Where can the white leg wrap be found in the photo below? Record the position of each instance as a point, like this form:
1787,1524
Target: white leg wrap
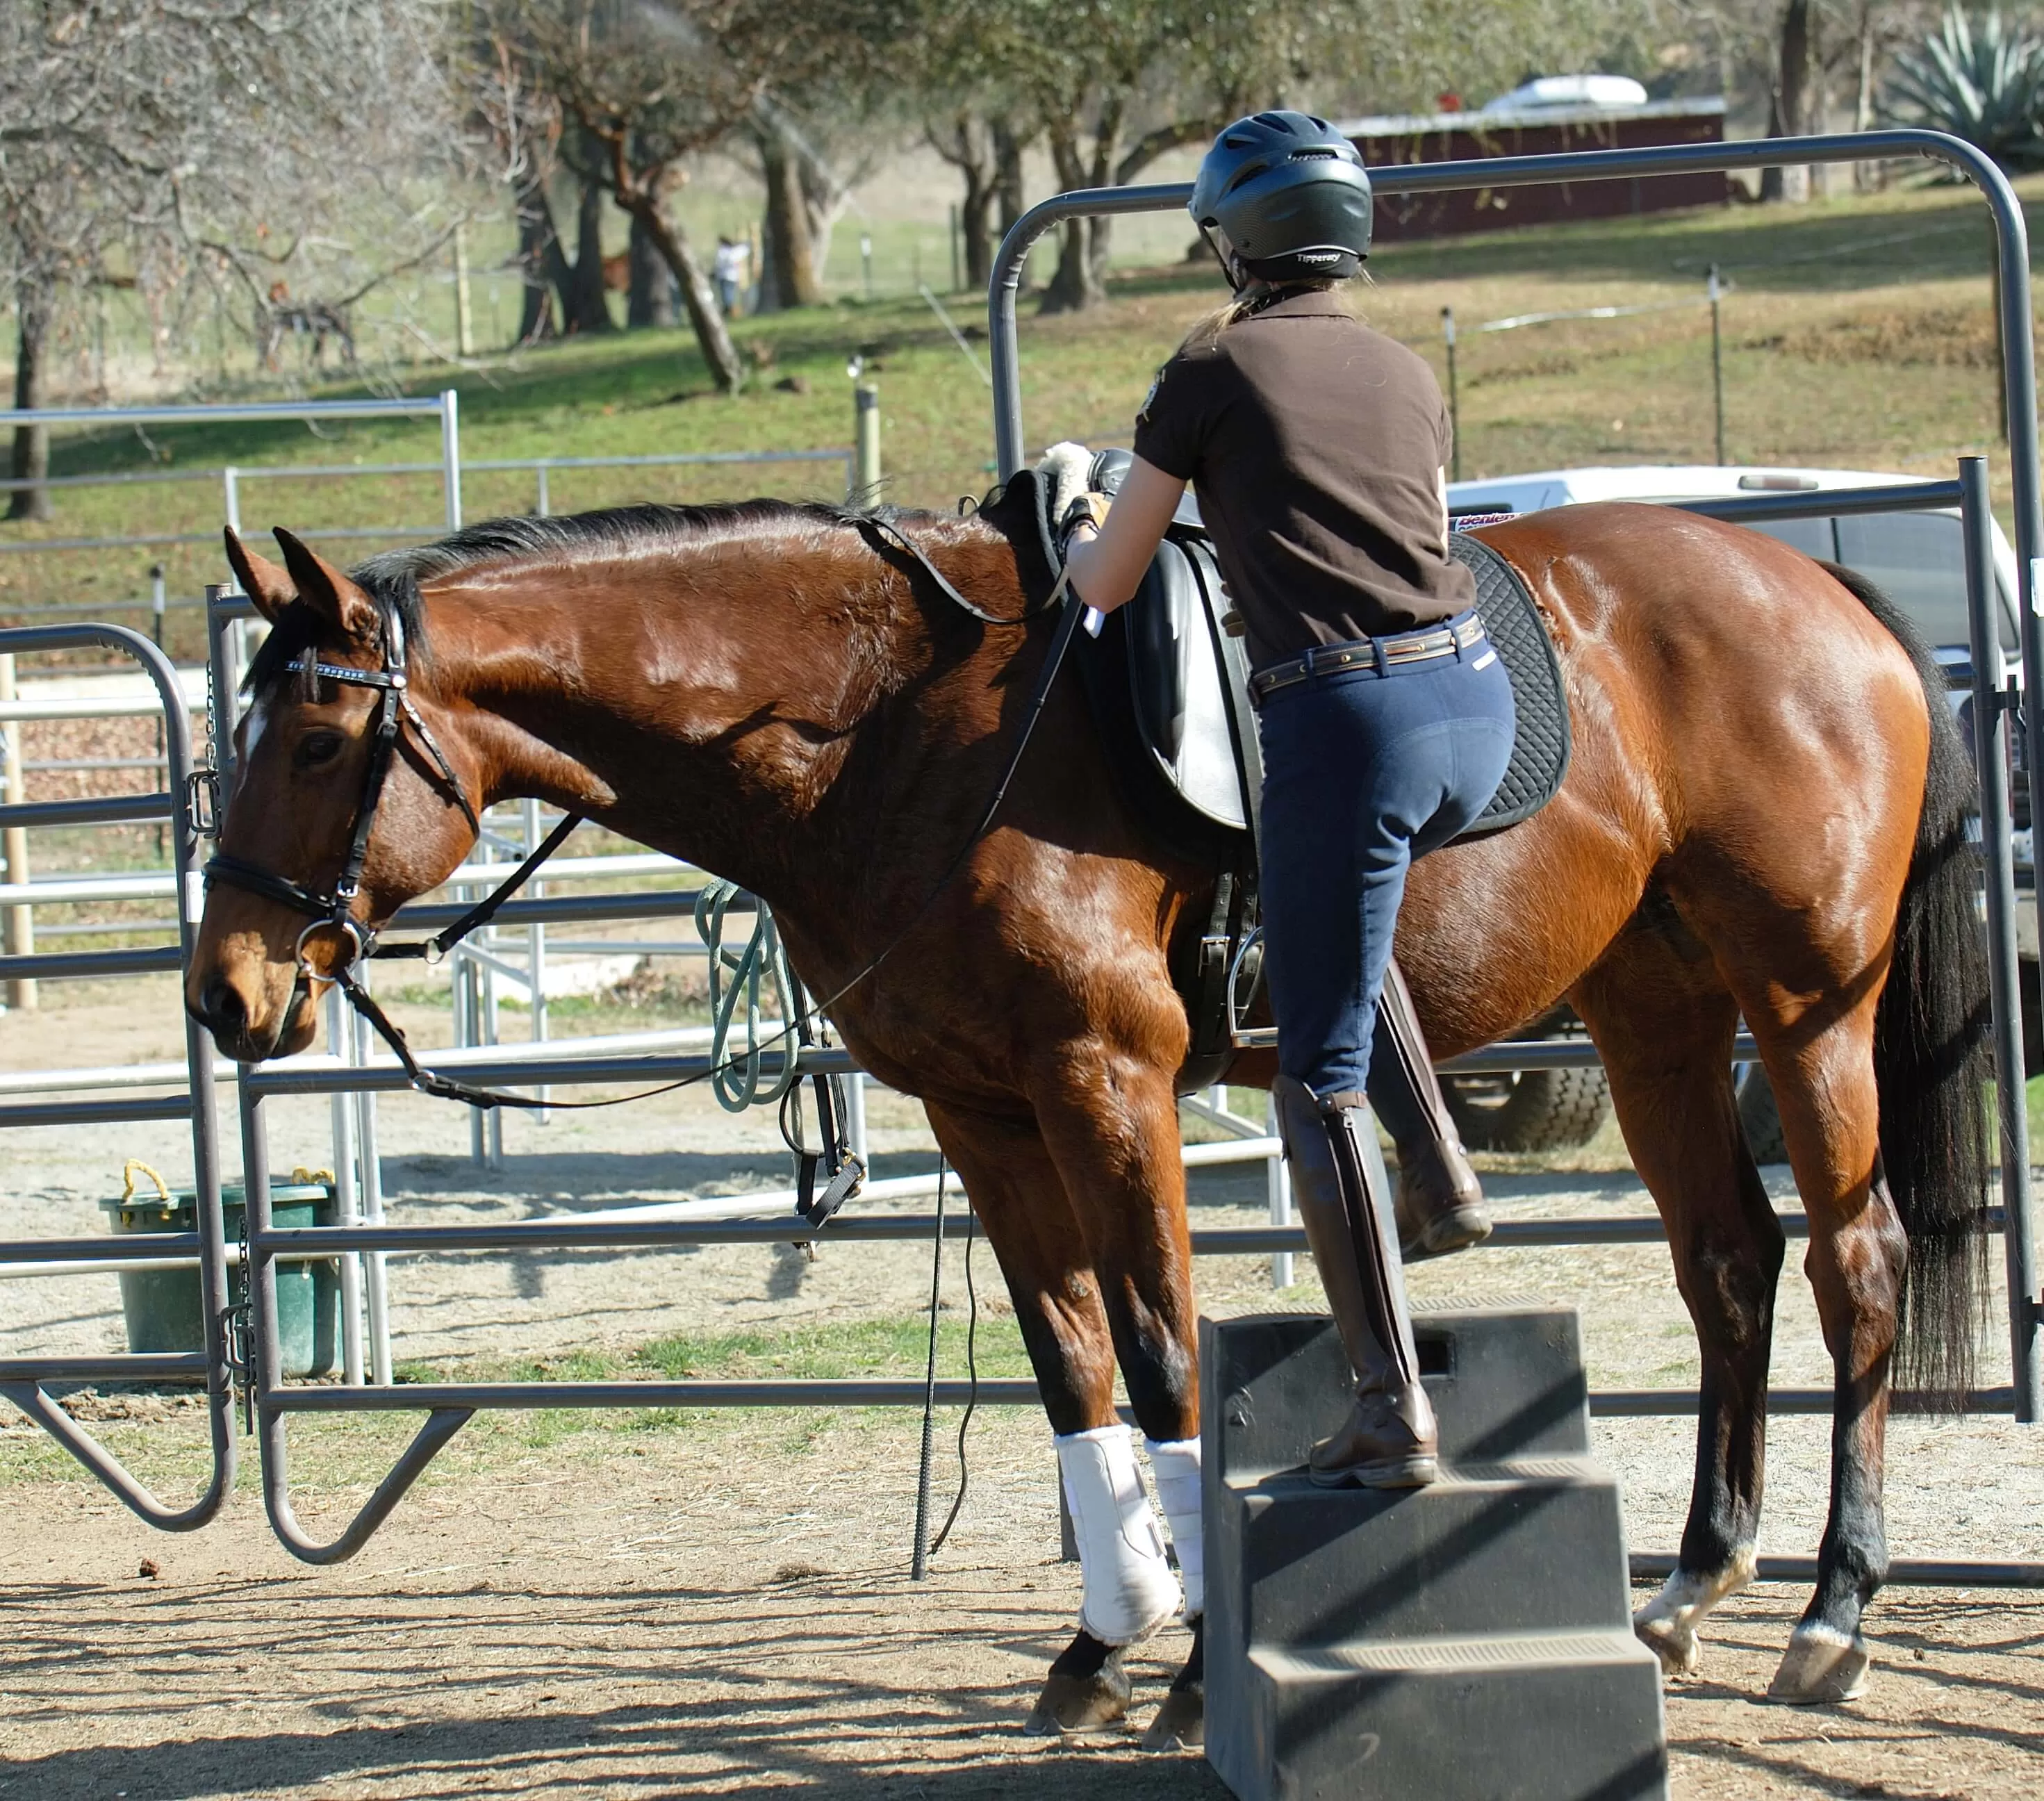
1176,1466
1128,1589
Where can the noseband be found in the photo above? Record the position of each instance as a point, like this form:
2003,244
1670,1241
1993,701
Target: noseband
336,912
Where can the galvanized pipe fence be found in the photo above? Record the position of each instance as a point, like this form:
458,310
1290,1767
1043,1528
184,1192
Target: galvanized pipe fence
231,478
449,1405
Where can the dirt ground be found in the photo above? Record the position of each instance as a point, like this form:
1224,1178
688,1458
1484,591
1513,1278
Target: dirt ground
679,1623
628,1605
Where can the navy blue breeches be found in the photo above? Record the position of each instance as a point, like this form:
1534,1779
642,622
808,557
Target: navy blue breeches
1364,769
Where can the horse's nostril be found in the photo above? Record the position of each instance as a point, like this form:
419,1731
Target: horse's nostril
221,1002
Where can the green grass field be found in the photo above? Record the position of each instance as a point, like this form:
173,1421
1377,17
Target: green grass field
1857,333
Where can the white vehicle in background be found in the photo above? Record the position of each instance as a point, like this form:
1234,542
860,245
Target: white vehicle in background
1918,560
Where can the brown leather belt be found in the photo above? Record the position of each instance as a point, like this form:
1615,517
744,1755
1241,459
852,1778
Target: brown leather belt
1382,654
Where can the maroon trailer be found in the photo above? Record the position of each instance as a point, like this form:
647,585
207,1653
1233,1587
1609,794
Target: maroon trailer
1538,131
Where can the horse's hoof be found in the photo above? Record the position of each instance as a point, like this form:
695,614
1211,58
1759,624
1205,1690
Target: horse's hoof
1673,1641
1822,1665
1079,1703
1667,1625
1180,1724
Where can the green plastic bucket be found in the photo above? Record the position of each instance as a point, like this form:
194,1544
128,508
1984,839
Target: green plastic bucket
162,1308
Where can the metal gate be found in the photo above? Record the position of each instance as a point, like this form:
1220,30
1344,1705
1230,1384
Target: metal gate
1993,699
21,1378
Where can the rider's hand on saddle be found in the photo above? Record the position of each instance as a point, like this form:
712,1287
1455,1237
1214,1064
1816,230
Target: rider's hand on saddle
1086,512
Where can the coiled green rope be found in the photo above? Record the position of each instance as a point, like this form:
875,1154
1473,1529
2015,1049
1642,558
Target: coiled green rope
738,975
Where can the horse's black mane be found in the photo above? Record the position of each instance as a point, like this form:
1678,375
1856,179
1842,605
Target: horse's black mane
392,579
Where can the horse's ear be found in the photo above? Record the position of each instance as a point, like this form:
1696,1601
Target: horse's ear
328,592
261,580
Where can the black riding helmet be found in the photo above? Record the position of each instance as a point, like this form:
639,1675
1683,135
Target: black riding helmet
1291,195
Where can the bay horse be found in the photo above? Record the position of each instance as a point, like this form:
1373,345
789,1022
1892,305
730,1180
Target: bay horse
1765,817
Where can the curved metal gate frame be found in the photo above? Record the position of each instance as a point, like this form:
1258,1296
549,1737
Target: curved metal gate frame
1994,701
22,1379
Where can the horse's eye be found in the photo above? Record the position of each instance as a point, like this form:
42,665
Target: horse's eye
317,748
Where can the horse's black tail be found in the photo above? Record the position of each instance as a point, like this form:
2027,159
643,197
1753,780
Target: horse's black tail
1932,1052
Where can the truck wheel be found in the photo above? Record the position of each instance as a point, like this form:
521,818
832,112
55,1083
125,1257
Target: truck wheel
1529,1110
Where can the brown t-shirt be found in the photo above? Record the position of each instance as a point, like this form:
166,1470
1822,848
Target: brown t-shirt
1315,445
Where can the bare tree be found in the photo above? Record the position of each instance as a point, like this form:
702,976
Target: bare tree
650,84
231,141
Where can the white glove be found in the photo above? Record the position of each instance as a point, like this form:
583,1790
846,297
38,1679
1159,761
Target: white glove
1064,468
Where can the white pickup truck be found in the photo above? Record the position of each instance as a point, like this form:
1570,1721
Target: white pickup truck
1918,560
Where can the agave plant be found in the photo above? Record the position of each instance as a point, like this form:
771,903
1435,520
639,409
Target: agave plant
1981,79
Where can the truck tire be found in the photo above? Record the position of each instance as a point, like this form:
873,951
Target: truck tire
1531,1109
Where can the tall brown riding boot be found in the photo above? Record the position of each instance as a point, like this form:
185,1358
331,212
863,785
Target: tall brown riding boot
1344,1199
1440,1201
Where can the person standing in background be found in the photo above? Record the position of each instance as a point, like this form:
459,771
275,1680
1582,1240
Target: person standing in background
729,270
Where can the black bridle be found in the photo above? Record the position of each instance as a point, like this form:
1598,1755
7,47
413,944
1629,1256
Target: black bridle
334,911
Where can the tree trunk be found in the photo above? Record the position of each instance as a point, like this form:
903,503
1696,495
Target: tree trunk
705,315
790,277
541,264
1106,150
1789,104
1008,145
824,202
650,299
975,228
34,303
969,148
1866,176
1076,286
587,309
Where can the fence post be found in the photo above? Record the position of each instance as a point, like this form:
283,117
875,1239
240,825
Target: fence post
157,602
1993,709
464,310
347,1193
21,923
1716,292
1455,398
223,685
535,947
866,442
450,454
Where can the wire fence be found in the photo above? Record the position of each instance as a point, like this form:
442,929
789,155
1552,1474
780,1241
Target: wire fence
1715,287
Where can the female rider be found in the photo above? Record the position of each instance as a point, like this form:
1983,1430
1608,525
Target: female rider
1318,449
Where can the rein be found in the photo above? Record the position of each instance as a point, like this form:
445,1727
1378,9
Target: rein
334,912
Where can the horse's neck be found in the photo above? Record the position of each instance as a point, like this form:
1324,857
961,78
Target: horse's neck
688,700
